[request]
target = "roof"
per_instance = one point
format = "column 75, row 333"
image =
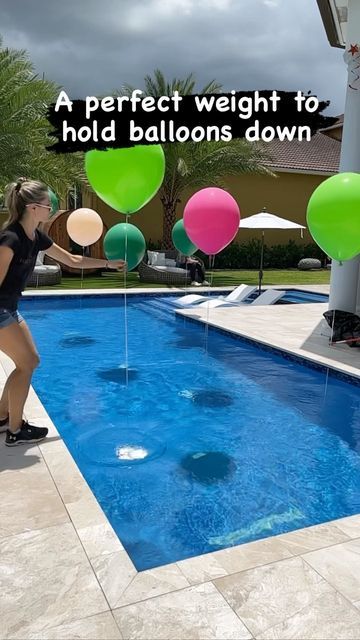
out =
column 339, row 123
column 321, row 154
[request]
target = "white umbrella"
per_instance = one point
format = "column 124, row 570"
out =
column 265, row 220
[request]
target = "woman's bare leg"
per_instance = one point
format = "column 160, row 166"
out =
column 4, row 401
column 17, row 343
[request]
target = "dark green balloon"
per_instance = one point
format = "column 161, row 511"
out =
column 124, row 241
column 54, row 202
column 181, row 240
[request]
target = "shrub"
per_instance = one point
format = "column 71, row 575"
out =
column 246, row 255
column 280, row 256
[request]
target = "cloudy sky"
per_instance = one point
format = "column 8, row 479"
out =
column 92, row 47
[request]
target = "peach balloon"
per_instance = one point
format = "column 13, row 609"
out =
column 84, row 226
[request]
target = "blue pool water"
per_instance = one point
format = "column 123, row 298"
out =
column 206, row 447
column 300, row 297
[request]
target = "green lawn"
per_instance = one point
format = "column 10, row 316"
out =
column 115, row 280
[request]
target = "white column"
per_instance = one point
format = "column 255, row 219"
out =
column 345, row 278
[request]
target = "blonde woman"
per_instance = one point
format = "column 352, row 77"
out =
column 20, row 241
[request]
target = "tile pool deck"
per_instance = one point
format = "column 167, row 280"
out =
column 64, row 573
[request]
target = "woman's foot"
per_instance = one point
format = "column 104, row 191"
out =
column 4, row 424
column 195, row 284
column 27, row 434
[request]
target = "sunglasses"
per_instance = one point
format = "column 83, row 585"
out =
column 45, row 206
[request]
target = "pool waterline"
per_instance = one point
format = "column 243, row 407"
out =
column 304, row 295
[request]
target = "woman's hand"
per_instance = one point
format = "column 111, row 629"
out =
column 119, row 265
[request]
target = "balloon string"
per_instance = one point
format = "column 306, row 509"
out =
column 212, row 273
column 82, row 279
column 82, row 269
column 206, row 335
column 186, row 276
column 211, row 266
column 125, row 307
column 332, row 328
column 326, row 385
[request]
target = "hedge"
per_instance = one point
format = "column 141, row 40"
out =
column 247, row 255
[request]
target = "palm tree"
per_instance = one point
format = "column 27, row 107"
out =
column 193, row 165
column 24, row 129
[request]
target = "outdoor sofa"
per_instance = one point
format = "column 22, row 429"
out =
column 159, row 267
column 44, row 274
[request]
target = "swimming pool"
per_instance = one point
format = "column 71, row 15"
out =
column 297, row 296
column 205, row 448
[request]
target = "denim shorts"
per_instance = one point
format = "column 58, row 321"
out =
column 8, row 317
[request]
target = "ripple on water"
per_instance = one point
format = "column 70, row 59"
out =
column 120, row 447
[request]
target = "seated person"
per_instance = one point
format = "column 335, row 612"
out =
column 195, row 268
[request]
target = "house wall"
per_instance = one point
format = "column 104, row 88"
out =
column 336, row 132
column 285, row 195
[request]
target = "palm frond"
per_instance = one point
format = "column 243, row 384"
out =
column 190, row 165
column 24, row 128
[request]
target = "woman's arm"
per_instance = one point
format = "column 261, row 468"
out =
column 61, row 255
column 6, row 255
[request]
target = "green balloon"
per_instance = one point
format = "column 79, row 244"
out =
column 54, row 202
column 124, row 241
column 126, row 179
column 333, row 216
column 181, row 240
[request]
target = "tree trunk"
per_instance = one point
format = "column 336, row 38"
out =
column 169, row 217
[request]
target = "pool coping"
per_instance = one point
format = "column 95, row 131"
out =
column 331, row 369
column 170, row 291
column 121, row 583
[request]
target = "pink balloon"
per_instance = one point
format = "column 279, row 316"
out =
column 211, row 219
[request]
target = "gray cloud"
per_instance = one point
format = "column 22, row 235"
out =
column 90, row 47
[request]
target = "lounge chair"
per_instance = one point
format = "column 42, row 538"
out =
column 237, row 295
column 270, row 296
column 167, row 273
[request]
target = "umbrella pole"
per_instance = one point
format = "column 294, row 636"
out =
column 261, row 261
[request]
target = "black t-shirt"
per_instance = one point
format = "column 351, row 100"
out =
column 22, row 263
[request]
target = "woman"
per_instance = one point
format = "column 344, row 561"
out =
column 20, row 241
column 195, row 268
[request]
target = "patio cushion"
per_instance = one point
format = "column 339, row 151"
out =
column 171, row 269
column 46, row 268
column 156, row 258
column 40, row 258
